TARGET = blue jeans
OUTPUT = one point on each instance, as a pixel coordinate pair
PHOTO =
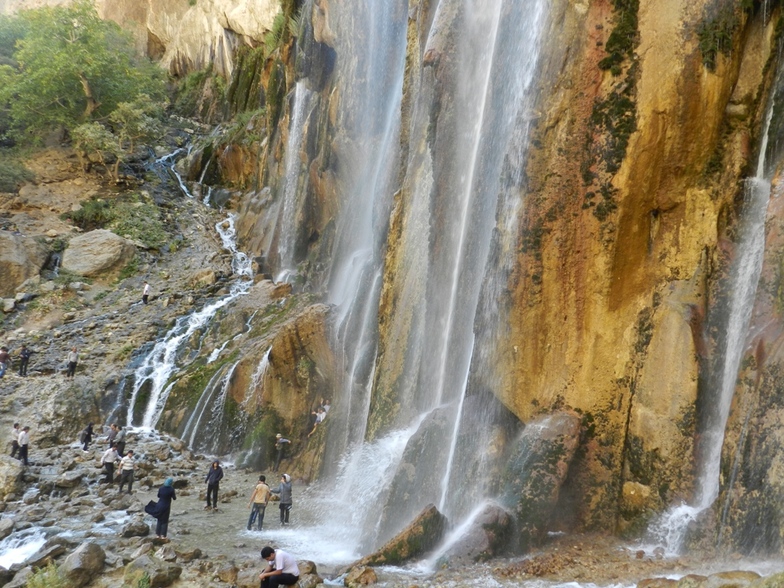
(257, 510)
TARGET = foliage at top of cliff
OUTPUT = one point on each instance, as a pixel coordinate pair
(63, 66)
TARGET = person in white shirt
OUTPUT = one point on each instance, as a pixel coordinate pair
(108, 459)
(126, 471)
(24, 442)
(281, 568)
(146, 292)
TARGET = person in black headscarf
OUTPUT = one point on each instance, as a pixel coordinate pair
(161, 509)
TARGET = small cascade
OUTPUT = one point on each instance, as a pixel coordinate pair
(291, 192)
(259, 373)
(211, 404)
(169, 162)
(671, 530)
(218, 350)
(154, 372)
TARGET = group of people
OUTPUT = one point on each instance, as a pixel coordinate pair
(25, 353)
(260, 497)
(20, 443)
(24, 359)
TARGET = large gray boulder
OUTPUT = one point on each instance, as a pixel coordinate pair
(21, 258)
(10, 475)
(96, 252)
(83, 564)
(160, 572)
(487, 536)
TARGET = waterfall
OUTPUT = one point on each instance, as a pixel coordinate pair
(459, 195)
(303, 103)
(216, 405)
(671, 530)
(156, 369)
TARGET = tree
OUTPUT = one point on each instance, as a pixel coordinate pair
(131, 122)
(70, 68)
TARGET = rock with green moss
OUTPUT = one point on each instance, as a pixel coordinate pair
(420, 537)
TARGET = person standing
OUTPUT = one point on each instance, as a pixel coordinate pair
(284, 491)
(87, 436)
(281, 570)
(162, 509)
(126, 471)
(24, 359)
(258, 502)
(73, 359)
(108, 459)
(214, 476)
(112, 434)
(146, 292)
(119, 441)
(4, 359)
(280, 443)
(24, 443)
(14, 439)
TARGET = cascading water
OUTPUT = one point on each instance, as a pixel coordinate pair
(671, 530)
(211, 404)
(303, 103)
(154, 372)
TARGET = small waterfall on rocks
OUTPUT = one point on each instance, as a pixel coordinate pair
(153, 376)
(671, 530)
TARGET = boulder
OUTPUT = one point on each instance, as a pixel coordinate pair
(657, 583)
(10, 475)
(227, 572)
(731, 579)
(160, 572)
(774, 581)
(136, 528)
(69, 479)
(21, 578)
(8, 305)
(419, 537)
(486, 537)
(97, 251)
(21, 258)
(46, 555)
(360, 576)
(309, 580)
(535, 471)
(248, 578)
(83, 564)
(166, 553)
(202, 277)
(6, 527)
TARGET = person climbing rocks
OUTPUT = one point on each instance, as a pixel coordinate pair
(24, 445)
(321, 414)
(112, 434)
(258, 502)
(4, 359)
(284, 491)
(214, 476)
(24, 359)
(146, 292)
(86, 436)
(162, 509)
(73, 359)
(281, 570)
(280, 443)
(14, 439)
(126, 471)
(119, 441)
(108, 459)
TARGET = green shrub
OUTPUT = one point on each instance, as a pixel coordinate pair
(93, 214)
(620, 45)
(141, 222)
(715, 34)
(12, 175)
(48, 577)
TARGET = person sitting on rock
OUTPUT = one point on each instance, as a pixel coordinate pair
(108, 459)
(281, 570)
(214, 476)
(162, 508)
(126, 471)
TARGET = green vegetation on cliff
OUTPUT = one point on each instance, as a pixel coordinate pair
(65, 66)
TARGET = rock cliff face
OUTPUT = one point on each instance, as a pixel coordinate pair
(594, 282)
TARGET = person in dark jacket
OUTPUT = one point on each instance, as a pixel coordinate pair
(24, 359)
(284, 490)
(214, 476)
(161, 509)
(87, 436)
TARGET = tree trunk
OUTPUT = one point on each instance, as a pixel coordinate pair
(92, 104)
